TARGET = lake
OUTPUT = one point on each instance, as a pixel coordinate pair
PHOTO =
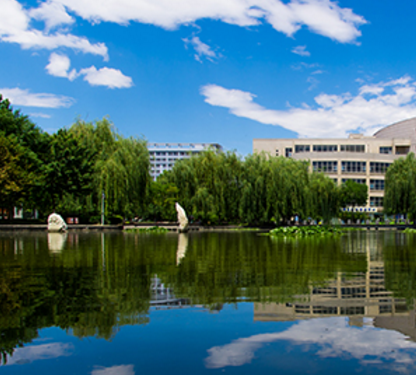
(207, 303)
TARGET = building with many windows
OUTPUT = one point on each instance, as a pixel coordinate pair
(359, 158)
(164, 155)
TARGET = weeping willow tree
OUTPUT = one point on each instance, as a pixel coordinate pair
(274, 189)
(120, 171)
(400, 187)
(324, 197)
(123, 176)
(209, 185)
(222, 188)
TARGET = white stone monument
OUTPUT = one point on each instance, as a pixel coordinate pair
(182, 218)
(56, 223)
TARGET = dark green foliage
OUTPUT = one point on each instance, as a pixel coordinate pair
(16, 177)
(162, 198)
(69, 170)
(22, 148)
(324, 196)
(400, 187)
(353, 194)
(217, 188)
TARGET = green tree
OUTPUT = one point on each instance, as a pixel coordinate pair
(400, 187)
(69, 170)
(325, 200)
(16, 177)
(29, 145)
(353, 194)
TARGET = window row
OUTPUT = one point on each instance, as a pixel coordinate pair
(353, 166)
(171, 153)
(164, 165)
(349, 167)
(399, 150)
(376, 201)
(376, 184)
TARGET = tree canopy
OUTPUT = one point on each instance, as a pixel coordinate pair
(400, 187)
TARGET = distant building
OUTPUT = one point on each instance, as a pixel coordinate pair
(359, 158)
(164, 155)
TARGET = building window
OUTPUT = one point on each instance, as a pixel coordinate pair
(353, 148)
(402, 150)
(386, 150)
(288, 152)
(353, 166)
(325, 148)
(376, 201)
(376, 184)
(302, 148)
(357, 180)
(378, 167)
(325, 166)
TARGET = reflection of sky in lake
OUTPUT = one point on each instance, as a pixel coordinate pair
(194, 341)
(36, 352)
(332, 337)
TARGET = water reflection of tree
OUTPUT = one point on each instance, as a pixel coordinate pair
(228, 268)
(399, 253)
(93, 287)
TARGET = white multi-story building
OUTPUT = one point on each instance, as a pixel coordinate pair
(362, 159)
(164, 155)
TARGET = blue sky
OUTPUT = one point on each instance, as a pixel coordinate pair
(211, 70)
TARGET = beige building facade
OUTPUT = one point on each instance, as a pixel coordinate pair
(364, 159)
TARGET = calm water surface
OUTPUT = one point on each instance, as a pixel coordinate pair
(130, 304)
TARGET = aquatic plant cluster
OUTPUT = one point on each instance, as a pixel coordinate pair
(315, 230)
(154, 229)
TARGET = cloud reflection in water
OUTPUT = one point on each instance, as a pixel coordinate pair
(335, 338)
(35, 352)
(114, 370)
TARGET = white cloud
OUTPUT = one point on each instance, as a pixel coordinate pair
(42, 100)
(37, 352)
(313, 83)
(372, 108)
(114, 370)
(15, 28)
(323, 17)
(59, 66)
(334, 338)
(39, 114)
(200, 48)
(112, 78)
(301, 51)
(52, 13)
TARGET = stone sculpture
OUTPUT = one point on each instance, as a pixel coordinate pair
(182, 218)
(56, 223)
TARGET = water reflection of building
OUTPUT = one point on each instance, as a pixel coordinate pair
(163, 296)
(357, 295)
